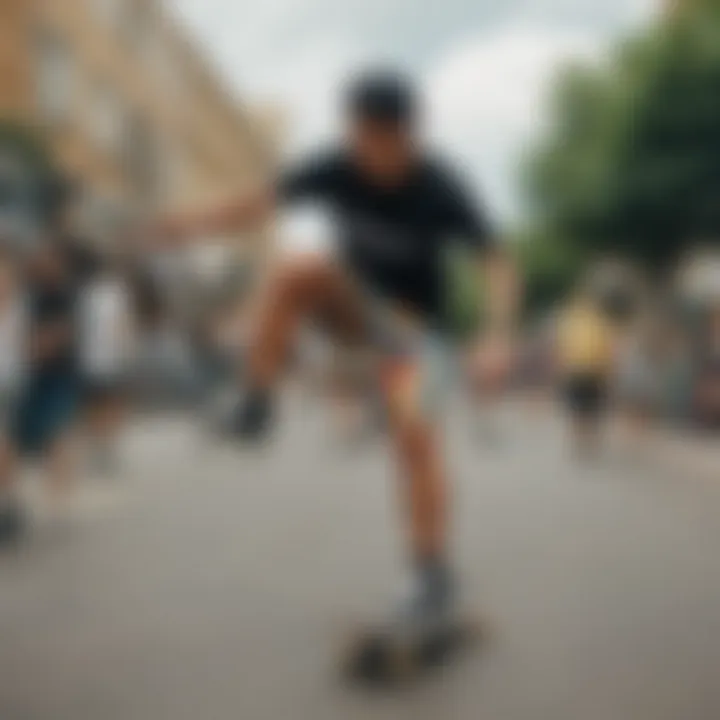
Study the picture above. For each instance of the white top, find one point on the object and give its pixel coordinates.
(105, 327)
(13, 347)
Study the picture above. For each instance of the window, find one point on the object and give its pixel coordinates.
(56, 78)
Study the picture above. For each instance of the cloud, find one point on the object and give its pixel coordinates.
(488, 98)
(640, 11)
(487, 65)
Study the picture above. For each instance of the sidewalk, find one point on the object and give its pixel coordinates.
(154, 452)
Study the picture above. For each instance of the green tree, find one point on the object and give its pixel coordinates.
(632, 163)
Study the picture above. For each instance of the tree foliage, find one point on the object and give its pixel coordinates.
(632, 164)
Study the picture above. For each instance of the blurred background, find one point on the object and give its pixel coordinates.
(185, 577)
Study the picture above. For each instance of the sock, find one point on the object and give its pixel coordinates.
(434, 575)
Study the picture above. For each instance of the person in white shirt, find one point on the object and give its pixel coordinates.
(12, 366)
(105, 355)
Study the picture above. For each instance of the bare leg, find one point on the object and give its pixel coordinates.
(418, 451)
(298, 289)
(301, 287)
(424, 489)
(61, 467)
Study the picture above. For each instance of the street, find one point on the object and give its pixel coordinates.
(216, 582)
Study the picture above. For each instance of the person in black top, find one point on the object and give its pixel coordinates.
(49, 400)
(395, 211)
(392, 237)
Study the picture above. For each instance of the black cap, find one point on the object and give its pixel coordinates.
(384, 96)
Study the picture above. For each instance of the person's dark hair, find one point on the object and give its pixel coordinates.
(383, 96)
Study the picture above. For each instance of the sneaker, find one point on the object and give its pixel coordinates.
(252, 418)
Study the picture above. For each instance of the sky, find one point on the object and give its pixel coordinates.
(485, 66)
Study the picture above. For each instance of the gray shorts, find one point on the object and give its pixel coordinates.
(399, 338)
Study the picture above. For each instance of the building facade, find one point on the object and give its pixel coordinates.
(127, 105)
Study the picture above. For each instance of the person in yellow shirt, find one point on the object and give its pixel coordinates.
(584, 350)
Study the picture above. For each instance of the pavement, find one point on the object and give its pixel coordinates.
(690, 454)
(214, 582)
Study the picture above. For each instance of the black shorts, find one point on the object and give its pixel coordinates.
(585, 394)
(46, 408)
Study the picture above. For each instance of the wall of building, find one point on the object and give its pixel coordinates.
(128, 104)
(15, 71)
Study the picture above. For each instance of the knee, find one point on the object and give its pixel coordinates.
(298, 278)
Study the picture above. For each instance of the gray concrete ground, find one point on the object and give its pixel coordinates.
(215, 583)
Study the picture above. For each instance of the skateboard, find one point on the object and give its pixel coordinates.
(376, 657)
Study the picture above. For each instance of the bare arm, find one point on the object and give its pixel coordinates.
(246, 212)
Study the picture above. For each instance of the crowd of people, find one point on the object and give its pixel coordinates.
(62, 320)
(643, 367)
(86, 331)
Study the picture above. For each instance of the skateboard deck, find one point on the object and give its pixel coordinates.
(376, 657)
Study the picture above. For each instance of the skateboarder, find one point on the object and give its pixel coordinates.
(395, 210)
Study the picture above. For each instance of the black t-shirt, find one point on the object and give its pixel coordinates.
(393, 239)
(52, 307)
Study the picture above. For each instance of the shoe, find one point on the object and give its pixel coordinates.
(252, 418)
